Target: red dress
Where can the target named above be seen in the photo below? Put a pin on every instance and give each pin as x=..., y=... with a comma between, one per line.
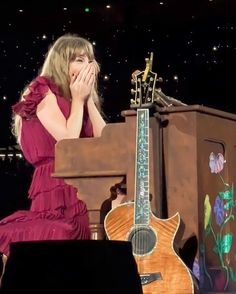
x=56, y=213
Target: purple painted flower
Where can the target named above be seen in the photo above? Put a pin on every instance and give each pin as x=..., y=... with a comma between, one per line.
x=216, y=162
x=219, y=210
x=196, y=269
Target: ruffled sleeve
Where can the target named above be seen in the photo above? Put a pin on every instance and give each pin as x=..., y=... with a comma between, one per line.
x=36, y=91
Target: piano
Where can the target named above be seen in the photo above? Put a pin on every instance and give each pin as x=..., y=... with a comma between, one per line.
x=93, y=165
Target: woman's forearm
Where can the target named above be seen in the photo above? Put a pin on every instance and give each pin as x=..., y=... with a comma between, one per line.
x=75, y=121
x=96, y=118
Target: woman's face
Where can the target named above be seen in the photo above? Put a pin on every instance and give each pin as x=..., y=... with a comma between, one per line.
x=76, y=65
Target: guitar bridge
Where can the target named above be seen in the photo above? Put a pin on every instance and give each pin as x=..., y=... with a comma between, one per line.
x=149, y=278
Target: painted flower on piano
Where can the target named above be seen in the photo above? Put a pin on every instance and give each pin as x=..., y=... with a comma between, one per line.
x=216, y=226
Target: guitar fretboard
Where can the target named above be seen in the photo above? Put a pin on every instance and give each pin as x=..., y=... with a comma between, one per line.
x=142, y=205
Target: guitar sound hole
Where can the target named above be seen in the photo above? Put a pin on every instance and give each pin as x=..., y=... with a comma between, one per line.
x=143, y=240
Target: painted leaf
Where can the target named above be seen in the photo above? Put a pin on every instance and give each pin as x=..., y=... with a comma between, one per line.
x=207, y=211
x=229, y=204
x=226, y=195
x=226, y=243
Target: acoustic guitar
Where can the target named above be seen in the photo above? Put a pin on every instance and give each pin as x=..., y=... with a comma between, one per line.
x=161, y=269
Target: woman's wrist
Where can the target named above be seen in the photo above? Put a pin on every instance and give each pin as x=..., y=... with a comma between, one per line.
x=90, y=101
x=78, y=100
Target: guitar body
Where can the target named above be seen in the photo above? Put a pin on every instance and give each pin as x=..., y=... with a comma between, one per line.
x=161, y=269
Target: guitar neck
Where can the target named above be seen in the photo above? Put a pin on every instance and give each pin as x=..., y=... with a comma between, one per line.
x=142, y=203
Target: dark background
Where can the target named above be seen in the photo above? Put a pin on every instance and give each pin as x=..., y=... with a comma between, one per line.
x=193, y=41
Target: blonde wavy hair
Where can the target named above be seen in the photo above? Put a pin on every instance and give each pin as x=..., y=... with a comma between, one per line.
x=56, y=67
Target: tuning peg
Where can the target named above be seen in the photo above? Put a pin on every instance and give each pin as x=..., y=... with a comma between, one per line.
x=133, y=91
x=160, y=79
x=132, y=82
x=135, y=101
x=132, y=101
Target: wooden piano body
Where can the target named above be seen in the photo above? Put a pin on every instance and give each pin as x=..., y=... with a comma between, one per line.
x=93, y=165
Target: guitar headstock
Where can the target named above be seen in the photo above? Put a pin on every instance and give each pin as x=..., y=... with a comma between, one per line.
x=144, y=85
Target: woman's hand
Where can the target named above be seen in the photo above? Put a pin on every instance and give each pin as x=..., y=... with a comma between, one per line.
x=81, y=85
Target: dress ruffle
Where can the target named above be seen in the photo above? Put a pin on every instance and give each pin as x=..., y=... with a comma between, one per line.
x=60, y=201
x=42, y=180
x=36, y=91
x=34, y=226
x=54, y=194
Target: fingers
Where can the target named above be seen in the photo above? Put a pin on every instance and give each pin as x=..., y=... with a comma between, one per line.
x=87, y=73
x=91, y=78
x=73, y=78
x=82, y=84
x=83, y=72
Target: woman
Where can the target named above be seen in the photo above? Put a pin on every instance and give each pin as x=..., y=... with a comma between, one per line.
x=60, y=103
